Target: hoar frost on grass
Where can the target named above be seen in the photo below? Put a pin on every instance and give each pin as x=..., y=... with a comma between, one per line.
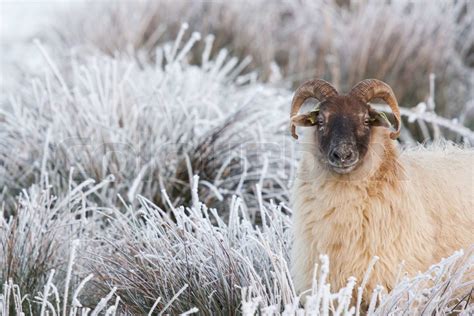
x=151, y=126
x=36, y=241
x=188, y=259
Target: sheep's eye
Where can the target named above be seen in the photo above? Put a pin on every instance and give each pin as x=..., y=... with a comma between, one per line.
x=367, y=121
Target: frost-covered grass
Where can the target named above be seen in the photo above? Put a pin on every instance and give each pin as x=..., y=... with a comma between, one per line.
x=146, y=259
x=36, y=241
x=136, y=182
x=216, y=266
x=401, y=41
x=151, y=126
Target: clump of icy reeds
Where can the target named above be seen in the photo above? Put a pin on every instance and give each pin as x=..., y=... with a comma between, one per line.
x=193, y=252
x=446, y=287
x=150, y=125
x=53, y=299
x=36, y=237
x=53, y=302
x=401, y=42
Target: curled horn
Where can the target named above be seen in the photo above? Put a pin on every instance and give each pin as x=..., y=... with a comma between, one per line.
x=318, y=89
x=369, y=89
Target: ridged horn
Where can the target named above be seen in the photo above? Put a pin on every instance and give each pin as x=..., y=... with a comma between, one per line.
x=369, y=89
x=318, y=89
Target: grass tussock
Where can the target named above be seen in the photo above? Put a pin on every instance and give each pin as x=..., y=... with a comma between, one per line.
x=151, y=127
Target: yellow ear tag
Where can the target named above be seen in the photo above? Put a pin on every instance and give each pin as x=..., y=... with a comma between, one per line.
x=312, y=117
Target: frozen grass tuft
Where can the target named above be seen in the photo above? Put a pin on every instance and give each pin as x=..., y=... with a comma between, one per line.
x=446, y=288
x=36, y=237
x=151, y=126
x=193, y=249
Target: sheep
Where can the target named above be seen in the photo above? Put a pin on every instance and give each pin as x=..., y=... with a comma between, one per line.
x=357, y=195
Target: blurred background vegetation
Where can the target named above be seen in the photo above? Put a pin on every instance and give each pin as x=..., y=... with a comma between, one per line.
x=342, y=41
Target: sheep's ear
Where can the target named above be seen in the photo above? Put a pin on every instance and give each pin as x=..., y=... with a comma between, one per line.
x=378, y=118
x=306, y=119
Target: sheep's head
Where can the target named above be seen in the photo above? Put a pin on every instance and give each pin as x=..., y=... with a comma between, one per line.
x=343, y=122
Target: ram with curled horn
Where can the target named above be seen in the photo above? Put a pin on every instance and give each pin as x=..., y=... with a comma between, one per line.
x=358, y=195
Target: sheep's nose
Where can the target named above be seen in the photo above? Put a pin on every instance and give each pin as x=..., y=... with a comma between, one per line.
x=343, y=155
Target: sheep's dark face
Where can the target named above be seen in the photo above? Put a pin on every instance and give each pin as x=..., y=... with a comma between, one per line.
x=343, y=128
x=343, y=122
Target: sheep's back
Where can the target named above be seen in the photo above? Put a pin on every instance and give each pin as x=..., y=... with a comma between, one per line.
x=444, y=177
